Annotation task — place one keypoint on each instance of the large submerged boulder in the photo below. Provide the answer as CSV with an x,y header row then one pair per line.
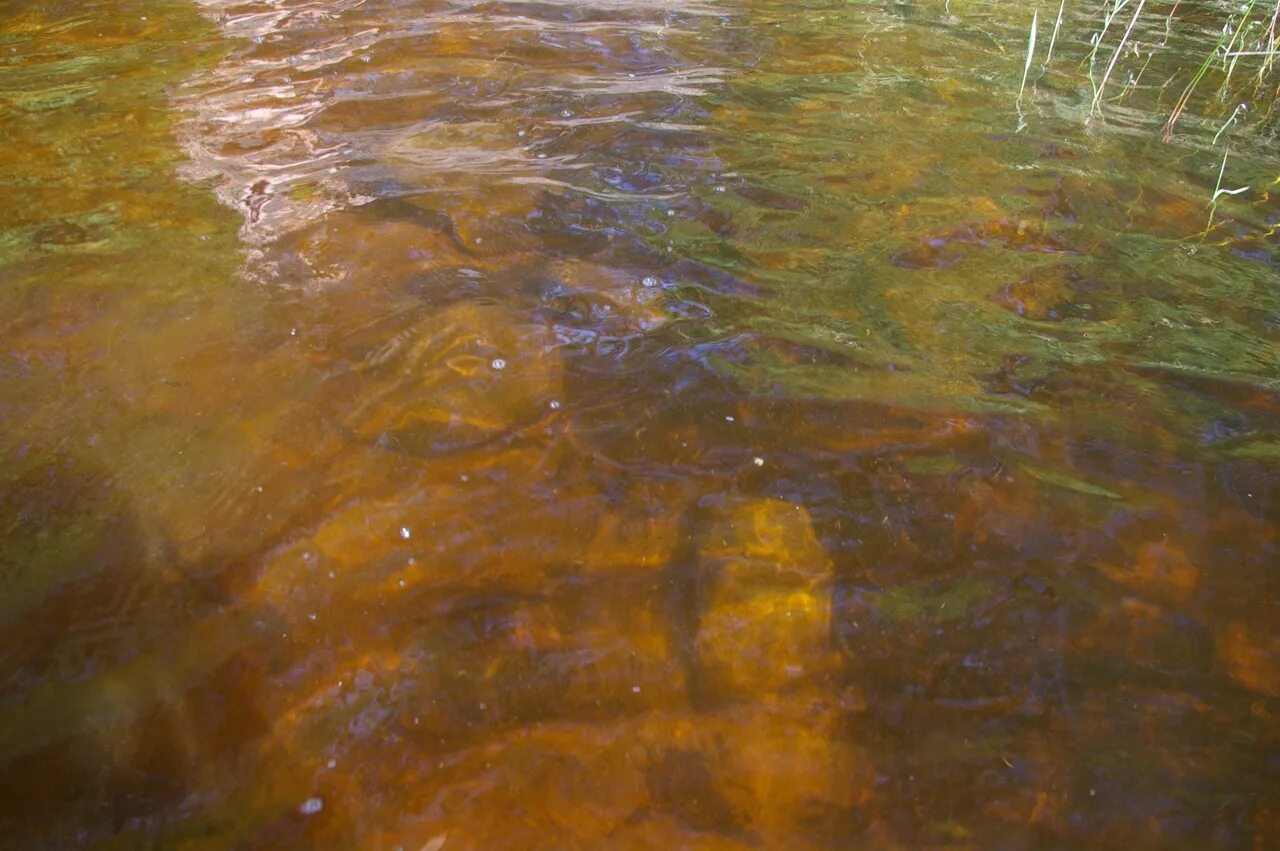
x,y
764,620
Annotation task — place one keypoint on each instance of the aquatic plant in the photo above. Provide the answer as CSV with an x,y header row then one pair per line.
x,y
1219,56
1226,36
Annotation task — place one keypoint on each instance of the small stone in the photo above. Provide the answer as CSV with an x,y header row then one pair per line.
x,y
311,806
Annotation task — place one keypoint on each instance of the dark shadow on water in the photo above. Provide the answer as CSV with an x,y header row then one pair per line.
x,y
105,729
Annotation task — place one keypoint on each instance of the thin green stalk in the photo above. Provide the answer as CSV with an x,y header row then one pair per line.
x,y
1271,44
1098,39
1235,115
1057,24
1239,30
1218,192
1097,94
1168,23
1132,84
1031,49
1185,98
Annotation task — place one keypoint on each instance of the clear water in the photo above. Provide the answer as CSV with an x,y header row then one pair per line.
x,y
629,424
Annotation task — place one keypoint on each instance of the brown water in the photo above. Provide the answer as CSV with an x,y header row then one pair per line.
x,y
627,424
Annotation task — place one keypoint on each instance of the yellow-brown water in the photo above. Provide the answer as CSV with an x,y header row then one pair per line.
x,y
624,424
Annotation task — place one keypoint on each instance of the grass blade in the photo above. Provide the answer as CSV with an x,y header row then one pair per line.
x,y
1031,50
1097,95
1053,39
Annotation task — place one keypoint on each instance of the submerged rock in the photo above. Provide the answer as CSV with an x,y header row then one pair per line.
x,y
454,380
764,609
1161,570
1252,658
1049,294
780,776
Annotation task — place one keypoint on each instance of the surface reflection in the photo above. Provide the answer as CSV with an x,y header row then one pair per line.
x,y
620,425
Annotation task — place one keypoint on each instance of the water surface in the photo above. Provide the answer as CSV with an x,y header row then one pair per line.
x,y
627,424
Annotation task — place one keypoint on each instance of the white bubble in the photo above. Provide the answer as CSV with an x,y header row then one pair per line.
x,y
650,282
311,806
499,364
405,533
758,461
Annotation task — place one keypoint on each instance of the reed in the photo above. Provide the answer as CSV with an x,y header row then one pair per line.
x,y
1124,39
1031,52
1233,71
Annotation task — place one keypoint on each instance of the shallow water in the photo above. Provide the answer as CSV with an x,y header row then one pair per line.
x,y
627,424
